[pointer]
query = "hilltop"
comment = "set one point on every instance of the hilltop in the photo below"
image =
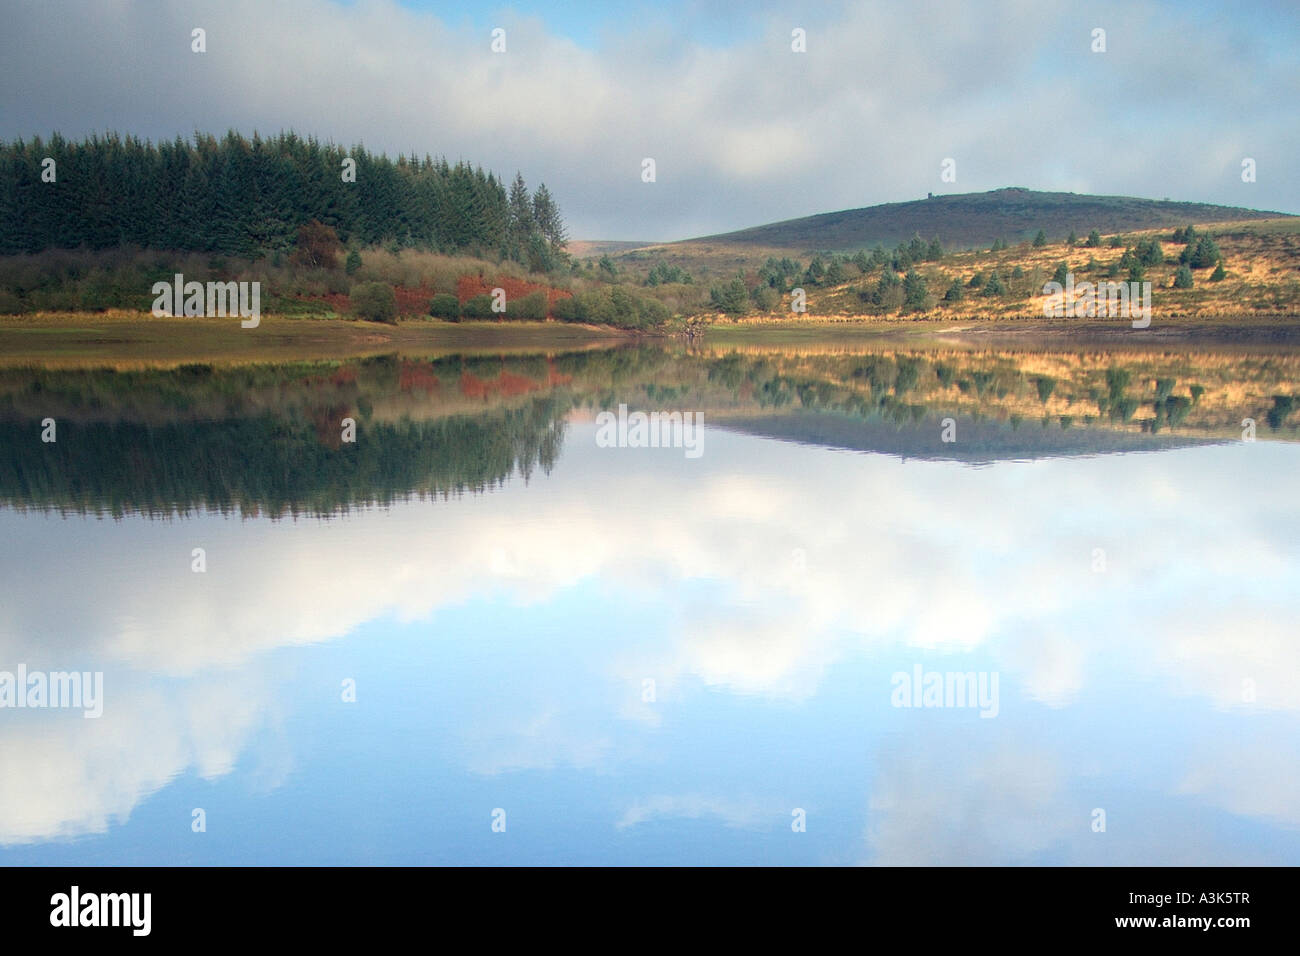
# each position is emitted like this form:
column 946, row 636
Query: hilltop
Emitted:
column 971, row 220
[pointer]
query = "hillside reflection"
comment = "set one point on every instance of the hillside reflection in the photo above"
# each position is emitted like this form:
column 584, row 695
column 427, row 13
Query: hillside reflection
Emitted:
column 324, row 437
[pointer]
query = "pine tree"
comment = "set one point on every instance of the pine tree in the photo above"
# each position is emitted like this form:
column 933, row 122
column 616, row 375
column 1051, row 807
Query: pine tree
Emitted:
column 521, row 216
column 546, row 214
column 914, row 290
column 246, row 197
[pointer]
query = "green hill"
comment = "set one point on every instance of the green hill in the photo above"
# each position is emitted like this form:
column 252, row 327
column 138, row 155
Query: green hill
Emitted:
column 971, row 220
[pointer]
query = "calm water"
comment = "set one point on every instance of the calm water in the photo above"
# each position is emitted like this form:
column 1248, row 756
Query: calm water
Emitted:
column 644, row 657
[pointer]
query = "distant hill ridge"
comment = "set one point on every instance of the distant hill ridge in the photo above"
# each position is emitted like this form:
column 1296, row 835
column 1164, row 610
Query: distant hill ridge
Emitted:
column 970, row 220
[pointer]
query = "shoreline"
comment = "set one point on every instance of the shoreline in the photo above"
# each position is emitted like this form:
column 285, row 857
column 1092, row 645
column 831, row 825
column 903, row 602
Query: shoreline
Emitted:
column 85, row 339
column 81, row 339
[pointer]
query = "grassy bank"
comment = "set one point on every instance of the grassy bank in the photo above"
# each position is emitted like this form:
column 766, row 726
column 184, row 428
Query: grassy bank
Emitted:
column 65, row 340
column 69, row 339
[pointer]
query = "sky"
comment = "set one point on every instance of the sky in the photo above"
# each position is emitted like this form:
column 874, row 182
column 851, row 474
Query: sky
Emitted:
column 742, row 129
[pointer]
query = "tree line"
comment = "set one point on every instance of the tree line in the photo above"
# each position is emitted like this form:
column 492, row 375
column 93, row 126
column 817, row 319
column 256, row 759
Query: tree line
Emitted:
column 248, row 197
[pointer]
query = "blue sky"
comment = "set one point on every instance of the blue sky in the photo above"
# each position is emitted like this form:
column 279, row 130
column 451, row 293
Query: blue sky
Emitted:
column 743, row 130
column 718, row 24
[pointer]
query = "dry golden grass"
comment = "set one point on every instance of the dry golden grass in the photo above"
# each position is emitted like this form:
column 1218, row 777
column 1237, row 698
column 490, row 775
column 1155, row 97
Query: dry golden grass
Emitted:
column 132, row 339
column 1262, row 262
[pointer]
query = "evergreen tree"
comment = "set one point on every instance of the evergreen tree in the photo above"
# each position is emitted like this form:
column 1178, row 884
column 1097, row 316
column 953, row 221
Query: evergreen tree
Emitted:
column 732, row 298
column 914, row 290
column 521, row 213
column 546, row 215
column 1201, row 253
column 237, row 196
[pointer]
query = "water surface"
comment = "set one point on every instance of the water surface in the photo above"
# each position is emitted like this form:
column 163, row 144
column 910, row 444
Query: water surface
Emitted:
column 642, row 657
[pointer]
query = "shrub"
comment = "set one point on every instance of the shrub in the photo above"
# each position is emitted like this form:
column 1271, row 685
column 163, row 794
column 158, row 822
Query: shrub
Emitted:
column 614, row 306
column 478, row 307
column 888, row 293
column 567, row 310
column 530, row 306
column 1148, row 252
column 1201, row 255
column 374, row 302
column 766, row 298
column 445, row 306
column 733, row 298
column 317, row 246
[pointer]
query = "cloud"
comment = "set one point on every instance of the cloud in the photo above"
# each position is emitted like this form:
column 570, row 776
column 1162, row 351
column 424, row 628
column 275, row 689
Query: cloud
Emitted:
column 738, row 814
column 743, row 131
column 65, row 777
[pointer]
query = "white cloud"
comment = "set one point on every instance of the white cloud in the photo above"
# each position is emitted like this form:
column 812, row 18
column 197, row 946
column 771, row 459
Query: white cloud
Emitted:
column 743, row 130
